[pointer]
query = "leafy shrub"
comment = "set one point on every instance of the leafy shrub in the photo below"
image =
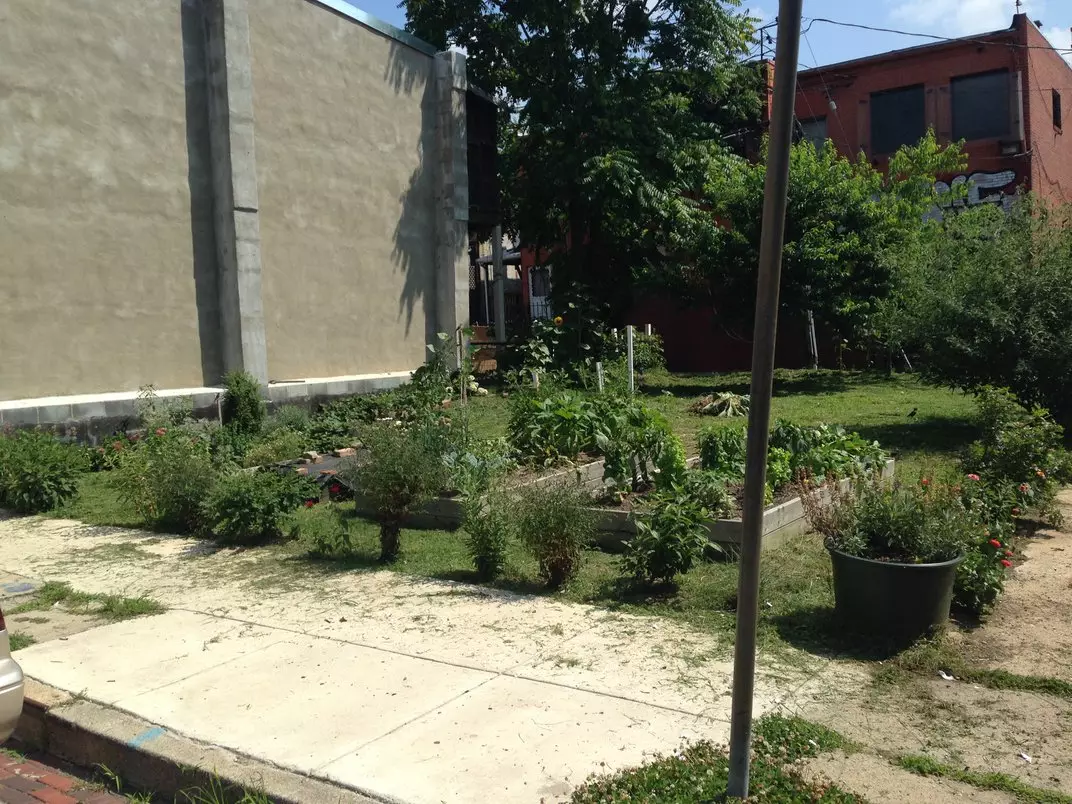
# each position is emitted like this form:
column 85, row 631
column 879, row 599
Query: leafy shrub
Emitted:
column 553, row 427
column 1020, row 447
column 555, row 523
column 825, row 450
column 38, row 472
column 489, row 525
column 779, row 467
column 707, row 489
column 723, row 449
column 403, row 470
column 166, row 478
column 322, row 530
column 917, row 524
column 671, row 462
column 282, row 444
column 289, row 417
column 156, row 411
column 632, row 437
column 248, row 508
column 473, row 470
column 105, row 456
column 670, row 538
column 243, row 408
column 228, row 446
column 989, row 302
column 649, row 356
column 981, row 575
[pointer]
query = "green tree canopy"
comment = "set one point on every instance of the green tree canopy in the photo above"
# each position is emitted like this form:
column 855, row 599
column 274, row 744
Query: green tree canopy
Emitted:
column 616, row 109
column 987, row 300
column 844, row 220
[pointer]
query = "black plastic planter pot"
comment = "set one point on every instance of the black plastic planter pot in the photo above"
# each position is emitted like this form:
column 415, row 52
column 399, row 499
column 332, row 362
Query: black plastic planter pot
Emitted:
column 904, row 601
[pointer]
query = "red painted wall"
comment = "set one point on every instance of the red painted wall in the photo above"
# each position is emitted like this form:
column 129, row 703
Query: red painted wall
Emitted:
column 1043, row 161
column 1051, row 146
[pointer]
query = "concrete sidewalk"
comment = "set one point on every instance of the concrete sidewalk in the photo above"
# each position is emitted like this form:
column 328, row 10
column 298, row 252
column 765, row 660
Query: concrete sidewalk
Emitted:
column 405, row 689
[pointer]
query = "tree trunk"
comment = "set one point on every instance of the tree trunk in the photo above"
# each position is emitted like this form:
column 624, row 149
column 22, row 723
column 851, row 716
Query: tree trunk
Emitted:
column 390, row 540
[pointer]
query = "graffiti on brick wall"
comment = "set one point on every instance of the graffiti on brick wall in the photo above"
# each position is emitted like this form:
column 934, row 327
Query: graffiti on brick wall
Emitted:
column 998, row 187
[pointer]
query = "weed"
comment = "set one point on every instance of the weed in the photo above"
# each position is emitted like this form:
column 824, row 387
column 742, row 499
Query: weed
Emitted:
column 989, row 780
column 19, row 641
column 109, row 607
column 700, row 772
column 789, row 739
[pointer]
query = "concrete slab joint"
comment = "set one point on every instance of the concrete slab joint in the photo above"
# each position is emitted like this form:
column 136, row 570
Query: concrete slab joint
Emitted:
column 452, row 193
column 234, row 180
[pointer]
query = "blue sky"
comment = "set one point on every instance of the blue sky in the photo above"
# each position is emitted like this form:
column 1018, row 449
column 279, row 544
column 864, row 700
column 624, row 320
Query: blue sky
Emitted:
column 831, row 44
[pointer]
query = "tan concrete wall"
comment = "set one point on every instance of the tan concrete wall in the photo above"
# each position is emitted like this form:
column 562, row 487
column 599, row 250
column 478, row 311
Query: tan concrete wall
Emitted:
column 345, row 122
column 97, row 239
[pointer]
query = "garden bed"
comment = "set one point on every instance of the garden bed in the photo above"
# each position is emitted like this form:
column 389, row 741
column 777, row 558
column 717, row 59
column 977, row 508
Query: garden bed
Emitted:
column 781, row 522
column 446, row 511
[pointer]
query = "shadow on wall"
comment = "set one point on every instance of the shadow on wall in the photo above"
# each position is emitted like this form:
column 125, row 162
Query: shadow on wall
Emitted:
column 415, row 235
column 199, row 178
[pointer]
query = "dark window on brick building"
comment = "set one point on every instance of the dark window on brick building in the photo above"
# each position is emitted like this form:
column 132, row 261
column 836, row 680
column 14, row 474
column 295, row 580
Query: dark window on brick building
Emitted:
column 981, row 106
column 813, row 131
column 897, row 118
column 1056, row 108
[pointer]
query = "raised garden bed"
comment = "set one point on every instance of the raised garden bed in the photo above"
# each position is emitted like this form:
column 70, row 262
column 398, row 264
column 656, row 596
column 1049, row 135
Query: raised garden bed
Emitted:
column 780, row 523
column 445, row 512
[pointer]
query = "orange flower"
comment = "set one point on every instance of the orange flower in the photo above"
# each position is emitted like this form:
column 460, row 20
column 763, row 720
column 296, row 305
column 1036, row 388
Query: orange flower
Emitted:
column 557, row 320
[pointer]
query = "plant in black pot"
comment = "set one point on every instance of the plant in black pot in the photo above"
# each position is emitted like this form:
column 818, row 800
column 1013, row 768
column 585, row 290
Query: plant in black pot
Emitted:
column 895, row 550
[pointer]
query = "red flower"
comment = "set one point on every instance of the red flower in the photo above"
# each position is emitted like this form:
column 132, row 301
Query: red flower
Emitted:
column 1024, row 488
column 995, row 543
column 1006, row 563
column 925, row 481
column 1016, row 511
column 1008, row 553
column 334, row 488
column 160, row 431
column 973, row 477
column 310, row 503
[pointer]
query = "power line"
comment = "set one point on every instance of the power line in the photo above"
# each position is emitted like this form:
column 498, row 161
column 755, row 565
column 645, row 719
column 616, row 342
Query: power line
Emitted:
column 826, row 89
column 969, row 40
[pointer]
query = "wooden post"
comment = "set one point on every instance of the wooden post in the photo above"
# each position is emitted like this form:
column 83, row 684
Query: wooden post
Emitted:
column 599, row 375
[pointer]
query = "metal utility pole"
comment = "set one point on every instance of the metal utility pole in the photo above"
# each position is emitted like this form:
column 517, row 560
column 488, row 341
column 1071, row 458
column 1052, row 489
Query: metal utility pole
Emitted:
column 770, row 271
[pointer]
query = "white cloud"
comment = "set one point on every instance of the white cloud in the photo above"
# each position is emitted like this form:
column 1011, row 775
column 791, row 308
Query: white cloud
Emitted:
column 953, row 17
column 964, row 17
column 1060, row 38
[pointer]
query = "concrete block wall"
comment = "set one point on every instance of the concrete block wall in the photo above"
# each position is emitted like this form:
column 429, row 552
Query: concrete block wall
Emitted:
column 278, row 186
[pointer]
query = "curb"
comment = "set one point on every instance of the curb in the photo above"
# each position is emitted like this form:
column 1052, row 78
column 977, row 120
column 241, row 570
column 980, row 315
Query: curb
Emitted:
column 149, row 757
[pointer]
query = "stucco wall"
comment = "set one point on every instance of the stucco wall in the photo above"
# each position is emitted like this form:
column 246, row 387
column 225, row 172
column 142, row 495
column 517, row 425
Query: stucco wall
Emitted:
column 345, row 122
column 101, row 260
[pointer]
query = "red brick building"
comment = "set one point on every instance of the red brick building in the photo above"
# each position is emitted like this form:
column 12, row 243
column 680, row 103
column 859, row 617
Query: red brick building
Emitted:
column 1007, row 94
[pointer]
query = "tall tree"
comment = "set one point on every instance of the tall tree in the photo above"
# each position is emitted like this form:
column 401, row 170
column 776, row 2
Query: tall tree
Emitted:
column 616, row 109
column 844, row 223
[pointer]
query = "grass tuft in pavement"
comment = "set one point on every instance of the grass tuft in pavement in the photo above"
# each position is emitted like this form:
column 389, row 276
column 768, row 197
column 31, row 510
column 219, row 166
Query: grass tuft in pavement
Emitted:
column 700, row 772
column 990, row 780
column 110, row 607
column 20, row 641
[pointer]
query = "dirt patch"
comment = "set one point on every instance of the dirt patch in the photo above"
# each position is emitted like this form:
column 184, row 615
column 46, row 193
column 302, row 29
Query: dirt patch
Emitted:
column 882, row 783
column 1030, row 631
